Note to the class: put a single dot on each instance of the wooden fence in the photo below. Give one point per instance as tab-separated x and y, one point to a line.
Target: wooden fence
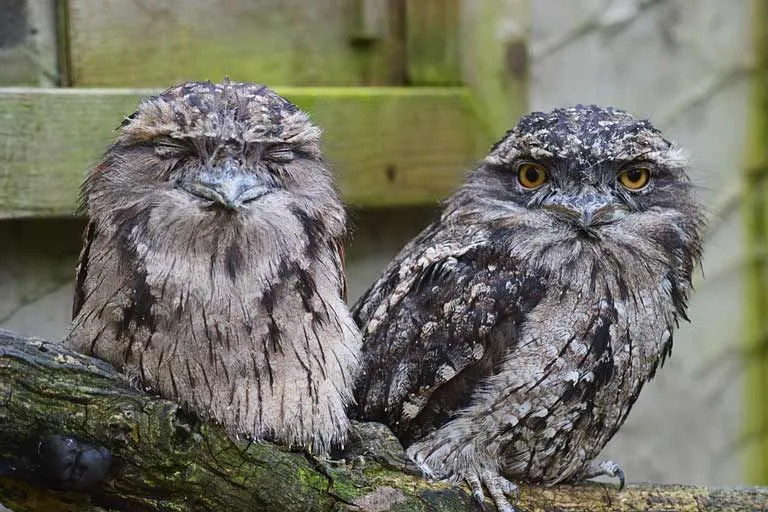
408	92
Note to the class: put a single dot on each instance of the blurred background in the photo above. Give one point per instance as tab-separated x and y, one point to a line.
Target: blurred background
410	94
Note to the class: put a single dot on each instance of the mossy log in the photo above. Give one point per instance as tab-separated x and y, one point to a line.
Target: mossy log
165	459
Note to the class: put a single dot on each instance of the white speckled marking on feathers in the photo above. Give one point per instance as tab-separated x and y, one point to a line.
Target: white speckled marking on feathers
234	309
511	339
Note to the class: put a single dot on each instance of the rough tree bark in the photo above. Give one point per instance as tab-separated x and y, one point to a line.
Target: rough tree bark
167	460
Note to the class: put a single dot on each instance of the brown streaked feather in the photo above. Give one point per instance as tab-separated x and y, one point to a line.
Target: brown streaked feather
210	271
81	271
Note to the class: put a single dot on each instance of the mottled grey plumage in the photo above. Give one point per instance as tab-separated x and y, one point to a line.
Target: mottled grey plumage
512	336
212	267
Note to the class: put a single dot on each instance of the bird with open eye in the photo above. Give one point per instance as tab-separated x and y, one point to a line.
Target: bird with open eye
212	267
508	341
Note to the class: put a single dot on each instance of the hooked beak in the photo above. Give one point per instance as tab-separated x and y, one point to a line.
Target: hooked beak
228	186
587	210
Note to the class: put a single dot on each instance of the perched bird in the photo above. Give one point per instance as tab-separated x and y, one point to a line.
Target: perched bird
509	340
212	267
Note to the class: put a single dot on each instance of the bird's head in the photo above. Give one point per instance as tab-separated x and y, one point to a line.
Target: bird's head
585	177
215	156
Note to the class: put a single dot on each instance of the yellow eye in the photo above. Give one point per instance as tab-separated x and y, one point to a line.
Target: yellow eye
635	178
531	175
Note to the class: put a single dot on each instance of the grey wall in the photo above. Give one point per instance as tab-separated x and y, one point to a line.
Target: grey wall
37	269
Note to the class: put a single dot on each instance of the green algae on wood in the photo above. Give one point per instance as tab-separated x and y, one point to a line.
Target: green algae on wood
433	42
131	43
494	60
387	146
755	211
169	460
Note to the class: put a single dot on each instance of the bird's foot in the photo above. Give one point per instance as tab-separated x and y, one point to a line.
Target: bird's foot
605	468
498	487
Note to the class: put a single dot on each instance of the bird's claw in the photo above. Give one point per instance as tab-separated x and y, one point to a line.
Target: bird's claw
498	487
607	468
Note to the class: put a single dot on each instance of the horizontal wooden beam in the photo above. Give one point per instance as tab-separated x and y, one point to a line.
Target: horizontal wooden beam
388	146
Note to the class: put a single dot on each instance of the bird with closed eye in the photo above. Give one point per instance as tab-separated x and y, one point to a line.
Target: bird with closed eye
212	266
509	340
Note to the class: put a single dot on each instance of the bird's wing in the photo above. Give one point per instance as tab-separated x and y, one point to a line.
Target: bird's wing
82	268
433	329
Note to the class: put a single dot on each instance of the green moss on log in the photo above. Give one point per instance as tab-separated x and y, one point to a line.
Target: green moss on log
169	460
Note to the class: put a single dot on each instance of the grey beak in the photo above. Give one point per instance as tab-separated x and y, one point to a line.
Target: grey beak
229	186
586	210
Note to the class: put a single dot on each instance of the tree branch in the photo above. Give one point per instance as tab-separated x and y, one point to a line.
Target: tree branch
165	459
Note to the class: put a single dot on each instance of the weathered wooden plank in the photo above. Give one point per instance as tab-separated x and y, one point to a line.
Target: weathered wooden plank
388	146
433	42
494	59
28	43
379	38
755	210
142	43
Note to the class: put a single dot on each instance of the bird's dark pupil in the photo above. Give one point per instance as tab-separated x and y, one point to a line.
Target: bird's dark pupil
532	174
635	175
